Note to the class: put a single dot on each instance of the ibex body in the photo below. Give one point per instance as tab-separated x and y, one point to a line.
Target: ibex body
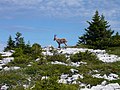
60	41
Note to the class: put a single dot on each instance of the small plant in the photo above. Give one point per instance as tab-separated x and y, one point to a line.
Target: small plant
57	57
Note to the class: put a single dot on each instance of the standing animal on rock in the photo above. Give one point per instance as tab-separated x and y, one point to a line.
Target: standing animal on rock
60	41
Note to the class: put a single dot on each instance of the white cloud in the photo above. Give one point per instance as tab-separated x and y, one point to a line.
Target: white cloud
60	7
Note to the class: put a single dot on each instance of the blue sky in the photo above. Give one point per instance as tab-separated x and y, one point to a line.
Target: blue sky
39	20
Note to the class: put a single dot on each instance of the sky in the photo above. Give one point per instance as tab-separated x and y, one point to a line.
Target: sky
40	20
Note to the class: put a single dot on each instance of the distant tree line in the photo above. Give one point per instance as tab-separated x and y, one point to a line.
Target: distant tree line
99	34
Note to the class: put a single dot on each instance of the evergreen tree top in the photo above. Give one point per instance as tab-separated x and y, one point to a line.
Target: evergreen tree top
97	32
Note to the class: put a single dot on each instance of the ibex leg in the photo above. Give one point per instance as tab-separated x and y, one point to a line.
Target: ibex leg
58	45
65	44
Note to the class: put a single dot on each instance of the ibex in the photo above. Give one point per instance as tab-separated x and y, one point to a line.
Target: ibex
60	41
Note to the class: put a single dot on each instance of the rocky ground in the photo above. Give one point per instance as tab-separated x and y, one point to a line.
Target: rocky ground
72	79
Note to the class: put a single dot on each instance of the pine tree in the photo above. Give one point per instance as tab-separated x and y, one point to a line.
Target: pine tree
98	33
27	49
19	40
10	44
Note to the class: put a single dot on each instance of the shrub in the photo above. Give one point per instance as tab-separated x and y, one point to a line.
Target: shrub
22	60
12	78
36	51
57	57
114	50
69	87
41	61
53	50
48	69
90	80
18	87
1	57
82	56
18	52
52	84
31	70
47	84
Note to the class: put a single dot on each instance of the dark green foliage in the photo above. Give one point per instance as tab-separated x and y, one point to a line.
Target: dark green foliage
32	70
18	87
47	70
18	52
90	80
57	57
10	44
98	33
113	50
47	84
23	56
19	40
27	48
83	56
17	43
115	40
69	87
115	81
12	78
21	61
1	57
52	84
36	51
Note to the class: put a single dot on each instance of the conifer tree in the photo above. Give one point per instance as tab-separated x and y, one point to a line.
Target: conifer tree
10	44
19	40
98	33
